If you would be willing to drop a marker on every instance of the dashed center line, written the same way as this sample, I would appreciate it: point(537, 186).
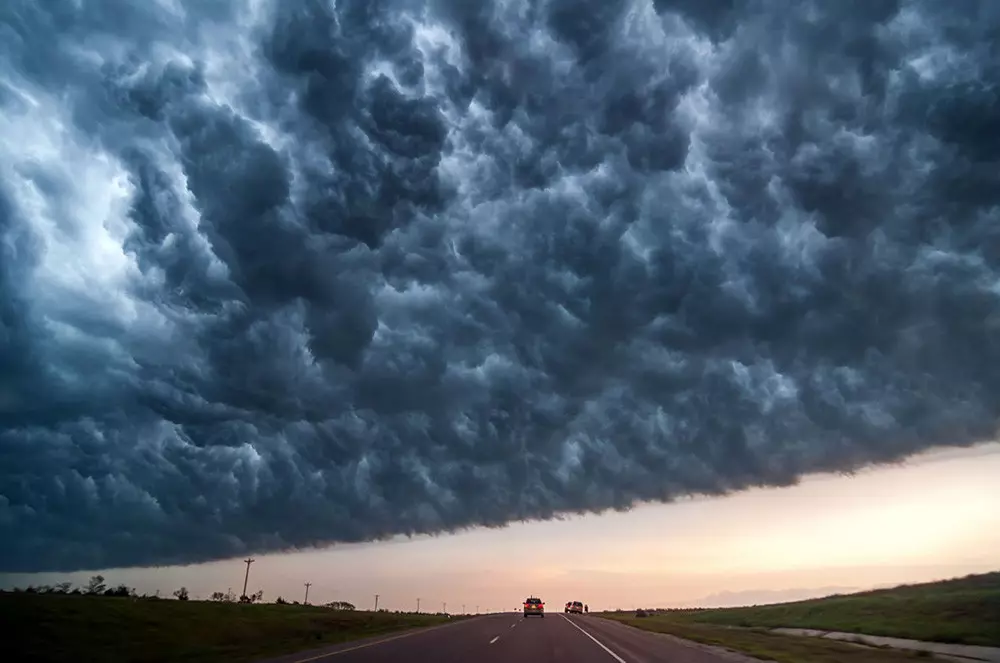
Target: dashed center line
point(494, 639)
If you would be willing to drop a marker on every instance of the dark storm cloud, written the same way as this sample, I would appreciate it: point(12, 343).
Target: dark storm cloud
point(284, 274)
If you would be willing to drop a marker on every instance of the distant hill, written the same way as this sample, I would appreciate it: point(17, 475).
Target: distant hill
point(747, 597)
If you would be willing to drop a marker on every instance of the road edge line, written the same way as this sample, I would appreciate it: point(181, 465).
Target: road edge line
point(596, 641)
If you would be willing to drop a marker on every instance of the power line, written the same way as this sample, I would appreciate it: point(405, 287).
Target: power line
point(246, 578)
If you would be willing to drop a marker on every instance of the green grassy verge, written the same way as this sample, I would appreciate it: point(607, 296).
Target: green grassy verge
point(769, 646)
point(962, 611)
point(58, 628)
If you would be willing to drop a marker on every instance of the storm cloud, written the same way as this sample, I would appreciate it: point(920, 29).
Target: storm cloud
point(281, 274)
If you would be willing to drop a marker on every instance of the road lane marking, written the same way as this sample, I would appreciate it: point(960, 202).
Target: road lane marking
point(596, 641)
point(378, 642)
point(494, 639)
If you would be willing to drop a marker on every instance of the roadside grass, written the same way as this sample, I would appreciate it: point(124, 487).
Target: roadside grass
point(761, 644)
point(960, 611)
point(59, 628)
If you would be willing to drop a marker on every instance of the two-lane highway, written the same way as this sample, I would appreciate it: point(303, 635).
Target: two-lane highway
point(512, 638)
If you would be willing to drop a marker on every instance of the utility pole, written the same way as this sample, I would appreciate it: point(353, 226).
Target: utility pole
point(477, 609)
point(444, 608)
point(248, 562)
point(418, 604)
point(306, 600)
point(376, 603)
point(463, 608)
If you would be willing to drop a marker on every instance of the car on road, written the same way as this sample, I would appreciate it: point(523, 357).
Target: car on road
point(575, 607)
point(534, 606)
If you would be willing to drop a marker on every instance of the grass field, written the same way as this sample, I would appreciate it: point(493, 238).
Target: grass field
point(769, 646)
point(55, 628)
point(964, 611)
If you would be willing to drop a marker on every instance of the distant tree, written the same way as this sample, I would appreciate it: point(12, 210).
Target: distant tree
point(96, 585)
point(340, 605)
point(120, 590)
point(182, 594)
point(280, 601)
point(63, 588)
point(218, 596)
point(253, 598)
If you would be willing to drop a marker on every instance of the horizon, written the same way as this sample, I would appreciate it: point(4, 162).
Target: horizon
point(718, 561)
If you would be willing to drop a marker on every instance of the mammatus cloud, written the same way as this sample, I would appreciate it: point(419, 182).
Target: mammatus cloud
point(280, 274)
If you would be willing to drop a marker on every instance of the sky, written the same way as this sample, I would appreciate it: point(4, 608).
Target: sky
point(929, 518)
point(276, 275)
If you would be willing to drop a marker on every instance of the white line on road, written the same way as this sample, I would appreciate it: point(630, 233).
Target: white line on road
point(494, 639)
point(596, 641)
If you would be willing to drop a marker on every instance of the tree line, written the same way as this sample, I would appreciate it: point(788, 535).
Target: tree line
point(97, 586)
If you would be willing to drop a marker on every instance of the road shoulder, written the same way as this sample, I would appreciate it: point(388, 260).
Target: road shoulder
point(760, 644)
point(971, 652)
point(318, 653)
point(606, 629)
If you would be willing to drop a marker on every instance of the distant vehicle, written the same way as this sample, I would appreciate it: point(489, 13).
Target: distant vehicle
point(575, 607)
point(534, 606)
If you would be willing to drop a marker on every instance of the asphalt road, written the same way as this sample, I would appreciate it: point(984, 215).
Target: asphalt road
point(510, 638)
